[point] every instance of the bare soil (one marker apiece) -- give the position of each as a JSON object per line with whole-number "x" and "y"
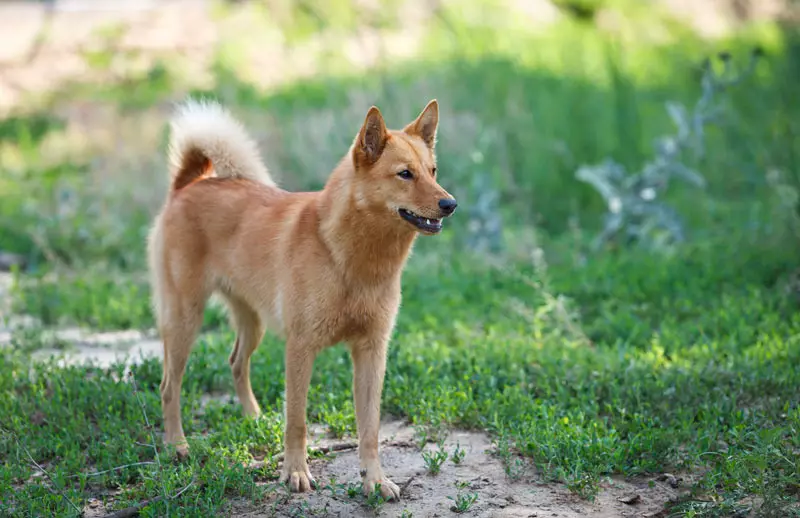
{"x": 427, "y": 495}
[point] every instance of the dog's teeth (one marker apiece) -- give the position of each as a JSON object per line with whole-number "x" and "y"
{"x": 428, "y": 221}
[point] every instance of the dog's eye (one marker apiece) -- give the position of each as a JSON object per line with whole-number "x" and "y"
{"x": 405, "y": 174}
{"x": 434, "y": 172}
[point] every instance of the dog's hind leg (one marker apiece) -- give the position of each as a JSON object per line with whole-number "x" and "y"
{"x": 249, "y": 332}
{"x": 180, "y": 322}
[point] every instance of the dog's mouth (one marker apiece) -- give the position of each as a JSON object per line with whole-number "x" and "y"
{"x": 431, "y": 226}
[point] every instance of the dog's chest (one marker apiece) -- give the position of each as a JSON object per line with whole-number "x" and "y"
{"x": 367, "y": 309}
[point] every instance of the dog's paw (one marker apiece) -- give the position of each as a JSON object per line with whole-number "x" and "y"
{"x": 180, "y": 446}
{"x": 388, "y": 489}
{"x": 182, "y": 451}
{"x": 297, "y": 476}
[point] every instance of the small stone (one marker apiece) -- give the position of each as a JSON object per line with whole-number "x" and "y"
{"x": 631, "y": 499}
{"x": 669, "y": 479}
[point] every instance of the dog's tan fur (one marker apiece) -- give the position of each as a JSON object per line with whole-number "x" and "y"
{"x": 317, "y": 268}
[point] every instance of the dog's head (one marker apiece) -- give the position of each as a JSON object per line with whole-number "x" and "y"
{"x": 395, "y": 171}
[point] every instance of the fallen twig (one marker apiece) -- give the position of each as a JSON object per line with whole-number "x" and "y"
{"x": 336, "y": 447}
{"x": 46, "y": 474}
{"x": 345, "y": 446}
{"x": 407, "y": 483}
{"x": 98, "y": 473}
{"x": 323, "y": 450}
{"x": 134, "y": 509}
{"x": 152, "y": 435}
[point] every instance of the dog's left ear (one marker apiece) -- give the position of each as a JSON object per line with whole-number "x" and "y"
{"x": 426, "y": 124}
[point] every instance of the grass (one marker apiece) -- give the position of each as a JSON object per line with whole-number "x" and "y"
{"x": 691, "y": 381}
{"x": 625, "y": 362}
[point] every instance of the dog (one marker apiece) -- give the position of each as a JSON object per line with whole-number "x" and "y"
{"x": 315, "y": 268}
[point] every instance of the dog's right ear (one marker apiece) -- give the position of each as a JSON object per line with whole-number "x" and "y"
{"x": 372, "y": 138}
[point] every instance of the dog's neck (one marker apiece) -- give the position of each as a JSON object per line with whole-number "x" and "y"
{"x": 367, "y": 244}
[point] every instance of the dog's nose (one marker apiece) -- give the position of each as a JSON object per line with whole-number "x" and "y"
{"x": 448, "y": 205}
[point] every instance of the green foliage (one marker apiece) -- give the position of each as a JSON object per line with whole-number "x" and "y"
{"x": 548, "y": 103}
{"x": 458, "y": 454}
{"x": 103, "y": 298}
{"x": 581, "y": 9}
{"x": 434, "y": 460}
{"x": 636, "y": 213}
{"x": 462, "y": 502}
{"x": 29, "y": 129}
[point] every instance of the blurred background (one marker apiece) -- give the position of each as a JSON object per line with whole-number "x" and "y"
{"x": 577, "y": 127}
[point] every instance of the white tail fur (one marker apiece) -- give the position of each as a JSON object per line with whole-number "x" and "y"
{"x": 208, "y": 128}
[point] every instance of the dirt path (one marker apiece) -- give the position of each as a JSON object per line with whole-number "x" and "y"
{"x": 426, "y": 495}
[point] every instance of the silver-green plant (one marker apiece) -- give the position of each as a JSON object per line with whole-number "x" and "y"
{"x": 636, "y": 210}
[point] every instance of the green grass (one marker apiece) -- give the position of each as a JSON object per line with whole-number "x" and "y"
{"x": 681, "y": 362}
{"x": 701, "y": 379}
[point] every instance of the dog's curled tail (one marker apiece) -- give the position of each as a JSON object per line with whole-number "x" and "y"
{"x": 204, "y": 136}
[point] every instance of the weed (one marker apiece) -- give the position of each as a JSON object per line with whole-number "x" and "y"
{"x": 353, "y": 490}
{"x": 512, "y": 464}
{"x": 434, "y": 460}
{"x": 584, "y": 485}
{"x": 375, "y": 499}
{"x": 340, "y": 421}
{"x": 636, "y": 212}
{"x": 462, "y": 501}
{"x": 458, "y": 454}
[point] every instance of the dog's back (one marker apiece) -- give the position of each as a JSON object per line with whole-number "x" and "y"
{"x": 210, "y": 152}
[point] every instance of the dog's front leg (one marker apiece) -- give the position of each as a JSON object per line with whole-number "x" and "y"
{"x": 299, "y": 363}
{"x": 369, "y": 367}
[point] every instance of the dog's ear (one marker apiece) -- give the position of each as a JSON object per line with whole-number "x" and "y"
{"x": 372, "y": 138}
{"x": 426, "y": 124}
